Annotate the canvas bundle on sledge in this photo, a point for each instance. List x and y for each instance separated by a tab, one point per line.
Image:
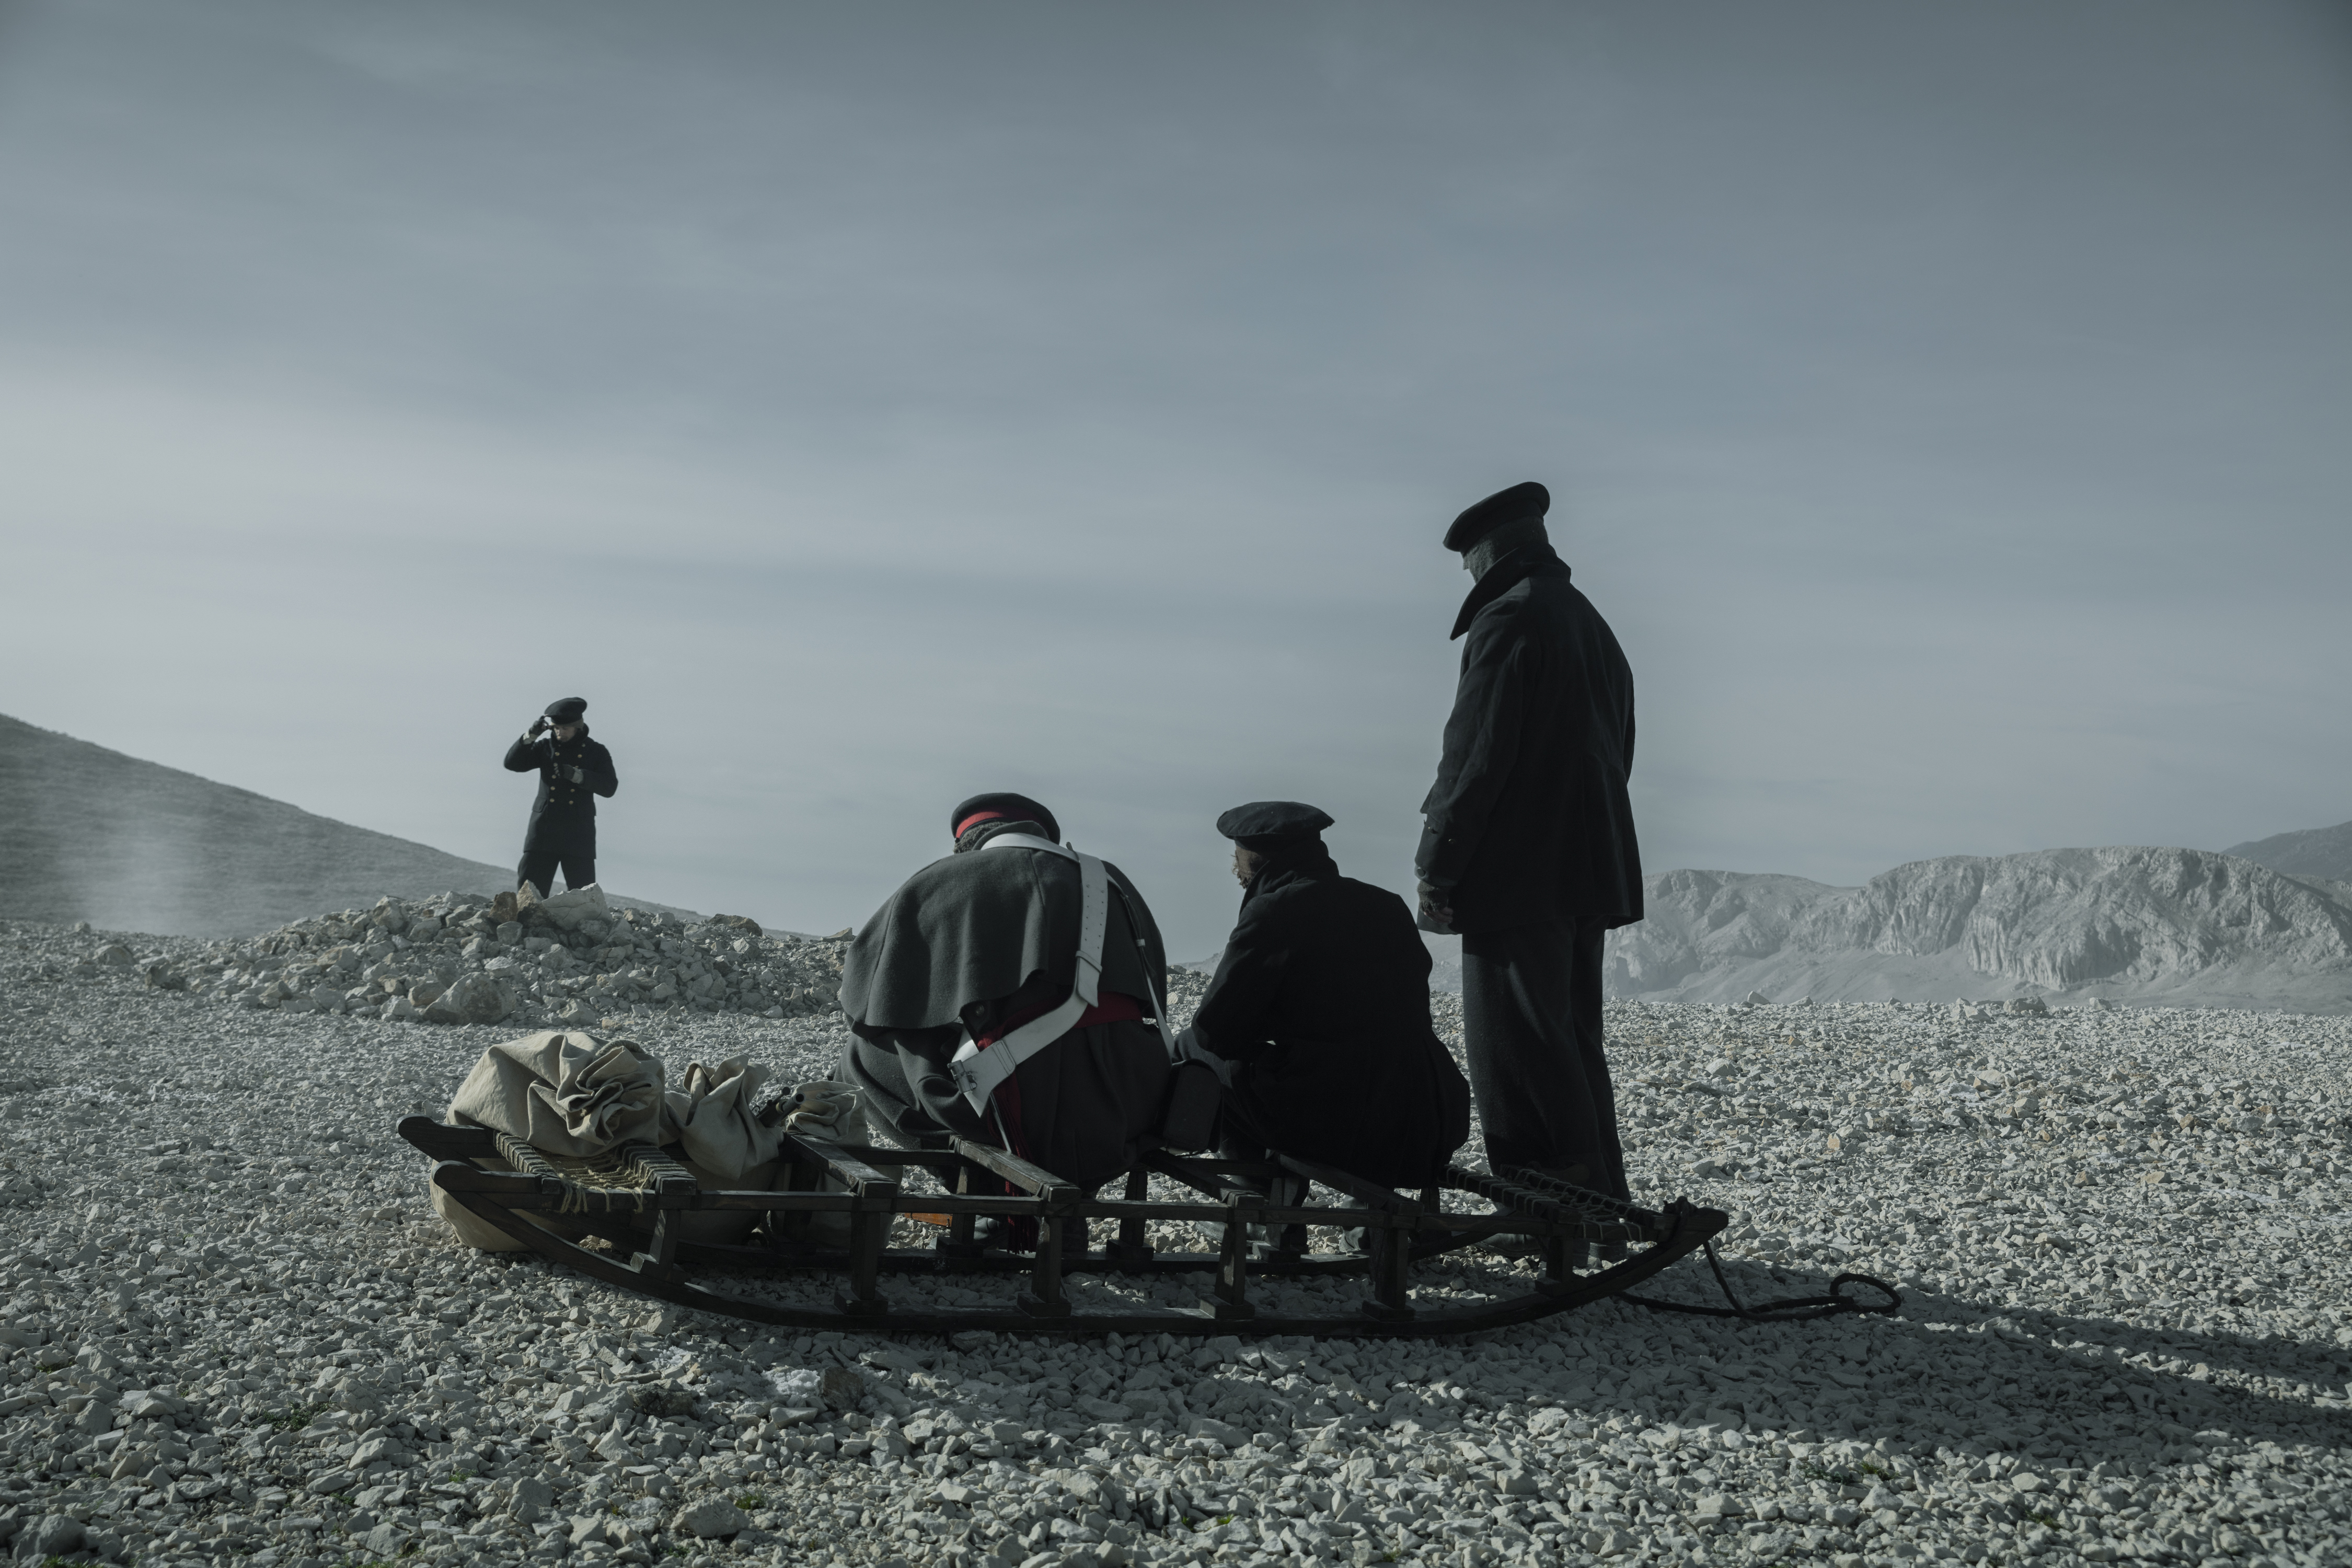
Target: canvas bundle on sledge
597	1111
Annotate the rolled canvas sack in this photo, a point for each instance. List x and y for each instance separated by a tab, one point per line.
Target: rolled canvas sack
567	1092
725	1143
564	1092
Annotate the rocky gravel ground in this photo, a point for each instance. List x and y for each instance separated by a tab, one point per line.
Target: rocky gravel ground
234	1332
568	962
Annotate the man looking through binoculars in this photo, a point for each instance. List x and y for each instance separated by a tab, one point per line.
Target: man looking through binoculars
572	772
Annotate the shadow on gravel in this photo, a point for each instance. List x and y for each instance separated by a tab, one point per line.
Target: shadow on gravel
1980	1379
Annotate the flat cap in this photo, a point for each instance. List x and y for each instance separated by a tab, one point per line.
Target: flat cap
1264	823
567	710
1513	505
1002	805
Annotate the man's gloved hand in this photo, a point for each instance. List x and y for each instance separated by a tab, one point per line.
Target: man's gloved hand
538	726
577	775
1436	903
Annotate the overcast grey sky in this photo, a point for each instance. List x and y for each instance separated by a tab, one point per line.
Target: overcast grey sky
866	405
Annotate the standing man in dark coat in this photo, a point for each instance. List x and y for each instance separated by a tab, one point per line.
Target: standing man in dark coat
572	772
1321	1006
1527	846
971	950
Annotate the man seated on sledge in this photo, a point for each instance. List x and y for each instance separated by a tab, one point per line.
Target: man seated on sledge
981	954
1320	1009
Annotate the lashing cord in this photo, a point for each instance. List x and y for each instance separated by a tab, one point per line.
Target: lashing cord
1788	1309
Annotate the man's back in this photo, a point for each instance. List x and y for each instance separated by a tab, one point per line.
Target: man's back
979	926
1322	996
1345	964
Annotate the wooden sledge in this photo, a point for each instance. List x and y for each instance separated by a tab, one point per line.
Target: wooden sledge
635	1202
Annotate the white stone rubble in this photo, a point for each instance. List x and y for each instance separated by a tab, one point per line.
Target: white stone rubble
457	958
234	1332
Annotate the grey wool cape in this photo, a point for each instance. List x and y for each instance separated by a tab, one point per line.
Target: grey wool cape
988	934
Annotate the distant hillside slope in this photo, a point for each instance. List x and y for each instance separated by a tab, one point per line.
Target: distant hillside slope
2313	852
2182	927
87	833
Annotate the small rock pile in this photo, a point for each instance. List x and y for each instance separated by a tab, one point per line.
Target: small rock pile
572	960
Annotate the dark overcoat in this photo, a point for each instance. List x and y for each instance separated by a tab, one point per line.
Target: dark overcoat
1322	997
982	936
563	818
1529	820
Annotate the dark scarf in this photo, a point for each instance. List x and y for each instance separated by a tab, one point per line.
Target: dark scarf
1502	577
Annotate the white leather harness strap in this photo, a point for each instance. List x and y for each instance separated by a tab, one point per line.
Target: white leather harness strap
978	1072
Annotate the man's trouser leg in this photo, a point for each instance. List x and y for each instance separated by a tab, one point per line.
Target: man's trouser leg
1531	1028
538	868
1604	1156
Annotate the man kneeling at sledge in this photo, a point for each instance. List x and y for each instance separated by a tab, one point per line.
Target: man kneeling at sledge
1012	993
1319	1014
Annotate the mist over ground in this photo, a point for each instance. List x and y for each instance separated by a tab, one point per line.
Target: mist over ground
865	407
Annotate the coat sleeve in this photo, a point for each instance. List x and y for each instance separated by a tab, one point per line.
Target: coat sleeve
601	776
1626	674
1482	742
923	1057
1233	1019
903	1085
528	753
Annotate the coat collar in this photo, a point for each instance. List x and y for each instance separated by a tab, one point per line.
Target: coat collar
1303	863
1502	577
978	837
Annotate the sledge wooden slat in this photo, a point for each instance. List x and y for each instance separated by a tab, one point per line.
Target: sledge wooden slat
1033	1179
844	1166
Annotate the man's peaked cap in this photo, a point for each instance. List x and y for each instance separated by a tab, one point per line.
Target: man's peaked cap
566	709
1005	807
1270	824
1518	504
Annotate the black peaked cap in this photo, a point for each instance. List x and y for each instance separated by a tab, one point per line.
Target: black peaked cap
1013	807
1270	824
567	710
1513	505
